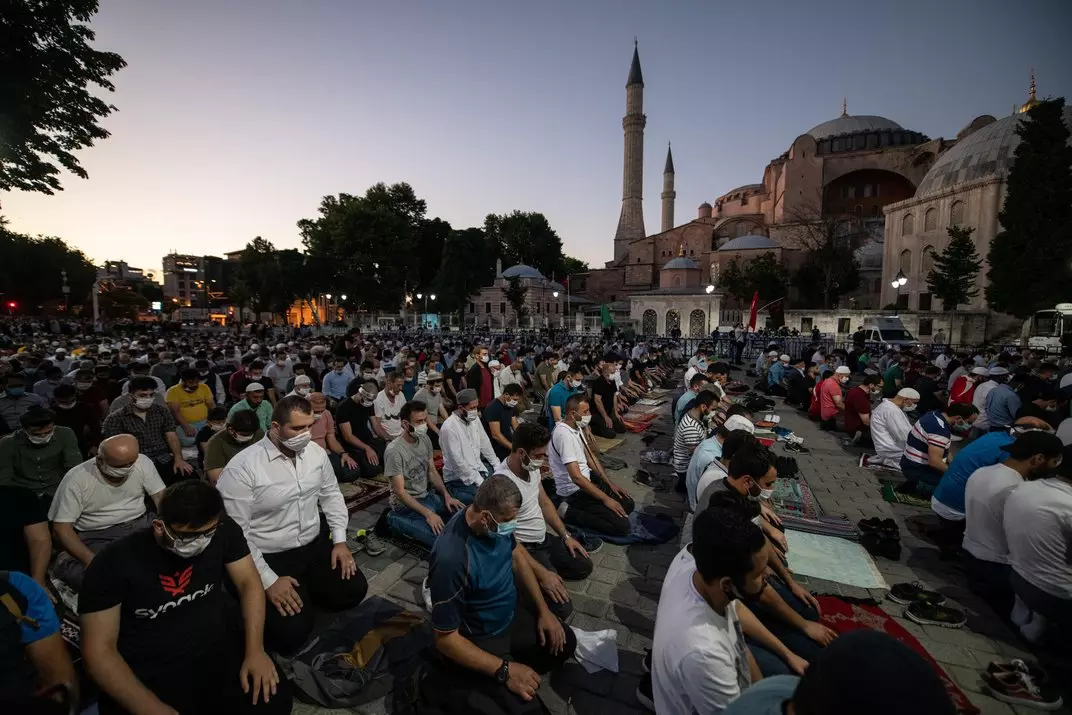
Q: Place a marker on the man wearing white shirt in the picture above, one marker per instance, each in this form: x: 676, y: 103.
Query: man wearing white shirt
x: 468, y: 456
x: 982, y: 422
x: 272, y: 490
x: 386, y: 421
x: 889, y: 430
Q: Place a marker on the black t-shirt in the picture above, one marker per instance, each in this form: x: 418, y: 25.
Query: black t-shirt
x: 928, y: 399
x: 19, y: 508
x: 605, y: 390
x: 1030, y: 409
x: 359, y: 418
x: 496, y: 411
x: 173, y: 611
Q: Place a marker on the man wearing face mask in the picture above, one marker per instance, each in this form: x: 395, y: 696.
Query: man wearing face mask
x: 889, y: 430
x: 571, y: 383
x: 254, y: 402
x: 556, y: 554
x: 416, y: 511
x: 500, y: 420
x: 303, y: 387
x: 468, y: 456
x: 15, y: 402
x: 927, y: 446
x: 696, y: 386
x: 272, y: 491
x: 591, y: 501
x: 346, y: 467
x: 355, y: 415
x: 494, y: 634
x: 165, y: 585
x: 479, y: 376
x: 278, y: 375
x: 690, y: 431
x: 432, y: 396
x: 154, y: 428
x: 387, y: 407
x: 190, y: 402
x: 37, y: 456
x: 832, y: 398
x: 242, y: 430
x: 963, y: 389
x: 99, y: 502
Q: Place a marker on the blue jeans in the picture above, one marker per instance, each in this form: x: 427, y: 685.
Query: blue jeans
x: 185, y: 441
x: 793, y: 639
x: 410, y: 524
x: 465, y: 493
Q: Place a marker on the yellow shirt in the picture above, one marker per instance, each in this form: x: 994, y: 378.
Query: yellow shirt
x: 192, y: 405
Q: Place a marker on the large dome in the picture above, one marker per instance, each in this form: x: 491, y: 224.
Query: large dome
x: 846, y: 124
x: 680, y: 262
x: 748, y: 243
x: 983, y: 154
x: 522, y: 271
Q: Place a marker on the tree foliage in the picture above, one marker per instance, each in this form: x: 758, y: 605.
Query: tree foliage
x: 515, y: 294
x: 1035, y: 244
x: 573, y: 265
x: 468, y: 265
x: 121, y: 302
x: 820, y: 281
x: 49, y: 77
x: 526, y: 237
x: 30, y: 272
x: 431, y: 238
x: 952, y: 280
x: 764, y: 274
x: 830, y: 269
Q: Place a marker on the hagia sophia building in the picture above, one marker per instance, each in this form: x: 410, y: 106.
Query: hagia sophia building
x: 892, y: 190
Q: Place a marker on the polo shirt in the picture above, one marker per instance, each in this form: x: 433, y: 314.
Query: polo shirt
x: 567, y: 446
x: 38, y: 467
x: 263, y: 412
x: 708, y: 451
x: 982, y: 452
x: 556, y: 397
x: 472, y: 581
x: 689, y: 433
x: 930, y: 431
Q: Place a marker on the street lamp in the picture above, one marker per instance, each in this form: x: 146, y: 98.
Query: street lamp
x: 899, y: 280
x: 709, y: 290
x: 343, y: 296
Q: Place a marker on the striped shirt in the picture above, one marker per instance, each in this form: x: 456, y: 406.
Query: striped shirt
x: 930, y: 431
x: 690, y: 432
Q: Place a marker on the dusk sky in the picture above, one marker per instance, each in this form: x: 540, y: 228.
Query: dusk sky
x: 236, y: 116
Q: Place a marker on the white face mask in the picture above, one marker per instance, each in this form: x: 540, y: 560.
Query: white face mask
x: 511, y: 403
x: 42, y: 438
x: 585, y: 420
x: 116, y: 474
x: 535, y: 465
x: 484, y: 358
x: 420, y: 429
x: 303, y: 391
x: 242, y: 438
x: 472, y: 415
x: 188, y: 548
x: 143, y: 403
x: 317, y: 416
x: 298, y: 442
x: 766, y: 494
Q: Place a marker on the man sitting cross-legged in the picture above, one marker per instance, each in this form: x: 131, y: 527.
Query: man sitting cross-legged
x: 556, y: 555
x: 160, y: 632
x: 494, y: 634
x: 416, y: 511
x: 99, y: 502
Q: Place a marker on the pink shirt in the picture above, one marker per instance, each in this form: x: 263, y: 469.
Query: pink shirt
x: 827, y: 390
x: 321, y: 428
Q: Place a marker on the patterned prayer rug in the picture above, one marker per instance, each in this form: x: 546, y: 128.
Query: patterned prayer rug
x: 890, y: 494
x: 362, y: 493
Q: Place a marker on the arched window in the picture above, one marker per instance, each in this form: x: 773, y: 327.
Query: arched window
x: 926, y: 262
x: 906, y: 262
x: 648, y: 322
x: 930, y: 220
x: 673, y: 321
x: 908, y: 225
x: 858, y: 209
x: 956, y: 213
x: 697, y: 324
x: 874, y: 210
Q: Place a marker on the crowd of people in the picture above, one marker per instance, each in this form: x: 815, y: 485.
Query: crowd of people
x: 185, y: 490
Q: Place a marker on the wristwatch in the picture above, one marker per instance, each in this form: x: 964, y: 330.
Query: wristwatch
x: 503, y: 673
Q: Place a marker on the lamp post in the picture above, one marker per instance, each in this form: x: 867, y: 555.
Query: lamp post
x: 555, y: 295
x: 898, y: 281
x: 66, y: 290
x: 709, y: 290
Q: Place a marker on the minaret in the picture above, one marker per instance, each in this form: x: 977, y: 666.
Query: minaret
x: 631, y: 221
x: 668, y: 194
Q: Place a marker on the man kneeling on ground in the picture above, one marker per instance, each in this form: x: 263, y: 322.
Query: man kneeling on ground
x: 493, y: 630
x: 557, y: 555
x: 159, y: 631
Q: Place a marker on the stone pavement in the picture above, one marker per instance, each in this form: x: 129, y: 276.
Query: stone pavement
x: 623, y: 591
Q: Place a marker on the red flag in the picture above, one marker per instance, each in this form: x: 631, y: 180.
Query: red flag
x: 752, y: 311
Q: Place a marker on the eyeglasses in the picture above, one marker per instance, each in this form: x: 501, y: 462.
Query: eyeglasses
x: 186, y: 538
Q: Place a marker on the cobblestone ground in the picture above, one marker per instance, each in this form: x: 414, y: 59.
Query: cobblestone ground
x: 623, y: 591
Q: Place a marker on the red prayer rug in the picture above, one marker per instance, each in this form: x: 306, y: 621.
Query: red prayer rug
x: 844, y: 616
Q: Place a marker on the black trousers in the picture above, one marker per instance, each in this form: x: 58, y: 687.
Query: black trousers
x: 602, y: 429
x: 589, y: 513
x: 460, y: 691
x: 368, y: 469
x: 318, y: 585
x: 209, y: 686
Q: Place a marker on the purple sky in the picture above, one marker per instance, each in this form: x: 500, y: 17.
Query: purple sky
x: 237, y: 116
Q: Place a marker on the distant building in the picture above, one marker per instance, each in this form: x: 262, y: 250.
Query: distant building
x: 545, y: 304
x: 119, y: 270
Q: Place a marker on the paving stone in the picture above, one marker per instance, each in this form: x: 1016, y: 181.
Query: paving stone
x: 951, y: 654
x: 417, y: 574
x: 968, y: 679
x: 592, y: 606
x: 964, y: 639
x: 605, y: 575
x: 601, y: 590
x: 578, y: 586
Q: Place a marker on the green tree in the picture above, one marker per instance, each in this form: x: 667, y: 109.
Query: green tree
x: 258, y: 274
x: 515, y: 294
x: 32, y: 288
x: 1035, y: 246
x: 431, y: 237
x: 821, y: 280
x: 526, y: 237
x: 571, y: 265
x: 49, y: 80
x: 763, y: 274
x: 119, y: 302
x: 732, y: 280
x: 468, y: 265
x: 830, y: 269
x: 955, y: 270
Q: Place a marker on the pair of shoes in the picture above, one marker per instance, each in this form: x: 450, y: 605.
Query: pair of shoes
x: 795, y: 447
x: 365, y: 541
x: 881, y: 537
x: 927, y: 613
x: 1018, y: 688
x: 908, y: 593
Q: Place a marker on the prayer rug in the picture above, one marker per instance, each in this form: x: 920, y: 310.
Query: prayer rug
x: 827, y: 525
x: 362, y: 493
x: 833, y: 559
x: 845, y: 615
x: 605, y: 445
x: 648, y: 402
x: 890, y: 494
x: 793, y: 497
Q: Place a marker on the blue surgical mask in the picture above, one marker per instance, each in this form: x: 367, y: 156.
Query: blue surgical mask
x: 504, y: 529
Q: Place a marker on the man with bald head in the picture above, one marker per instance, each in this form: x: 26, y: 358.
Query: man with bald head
x: 100, y: 501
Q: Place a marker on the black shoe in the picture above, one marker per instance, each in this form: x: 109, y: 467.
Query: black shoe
x: 908, y: 593
x: 930, y: 614
x: 644, y: 694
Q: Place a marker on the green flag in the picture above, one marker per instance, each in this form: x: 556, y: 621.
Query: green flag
x: 604, y: 314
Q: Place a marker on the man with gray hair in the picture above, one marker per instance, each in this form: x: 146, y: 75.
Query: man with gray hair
x: 494, y: 633
x: 468, y: 457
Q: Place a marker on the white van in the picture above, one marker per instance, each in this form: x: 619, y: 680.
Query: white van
x: 889, y: 333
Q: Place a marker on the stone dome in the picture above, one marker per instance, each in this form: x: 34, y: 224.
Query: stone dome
x: 848, y: 124
x: 522, y: 271
x: 681, y: 262
x: 746, y: 243
x: 985, y: 153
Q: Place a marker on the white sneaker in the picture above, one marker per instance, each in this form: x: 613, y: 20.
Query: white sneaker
x: 427, y: 594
